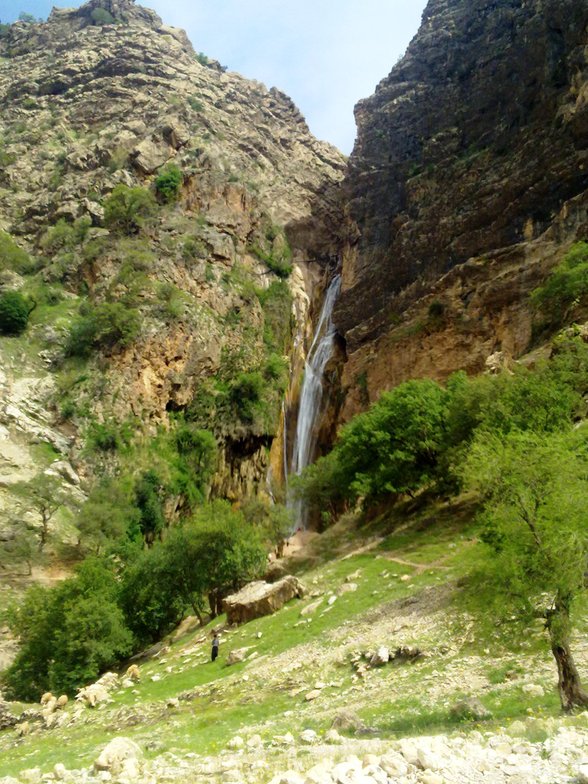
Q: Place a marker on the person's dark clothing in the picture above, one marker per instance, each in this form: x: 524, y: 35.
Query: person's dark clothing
x: 215, y: 644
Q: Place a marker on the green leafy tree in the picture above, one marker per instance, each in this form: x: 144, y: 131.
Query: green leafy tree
x: 565, y: 288
x: 107, y: 516
x: 274, y: 521
x: 43, y: 493
x: 13, y: 257
x: 149, y: 496
x: 15, y: 310
x: 197, y: 452
x: 534, y: 490
x: 395, y: 446
x: 127, y: 210
x: 168, y: 183
x: 150, y: 598
x: 229, y: 552
x: 68, y: 634
x: 322, y: 488
x: 107, y: 325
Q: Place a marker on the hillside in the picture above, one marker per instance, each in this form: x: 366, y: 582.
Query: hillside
x: 307, y: 669
x: 221, y: 278
x: 173, y: 242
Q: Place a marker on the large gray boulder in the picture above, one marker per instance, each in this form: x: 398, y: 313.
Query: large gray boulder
x: 260, y: 598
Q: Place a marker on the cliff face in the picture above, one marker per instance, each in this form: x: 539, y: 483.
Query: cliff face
x: 107, y: 95
x: 467, y: 181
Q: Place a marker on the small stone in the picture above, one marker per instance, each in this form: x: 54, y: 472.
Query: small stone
x: 255, y: 742
x: 332, y: 736
x: 312, y: 695
x: 582, y: 774
x: 428, y: 777
x: 308, y: 736
x: 236, y: 743
x: 59, y: 771
x: 534, y: 690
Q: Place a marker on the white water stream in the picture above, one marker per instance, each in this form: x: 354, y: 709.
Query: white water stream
x: 311, y: 393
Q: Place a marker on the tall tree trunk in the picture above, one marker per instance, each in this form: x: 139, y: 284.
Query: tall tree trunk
x: 571, y: 693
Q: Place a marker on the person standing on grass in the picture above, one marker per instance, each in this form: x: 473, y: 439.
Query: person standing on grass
x: 215, y: 644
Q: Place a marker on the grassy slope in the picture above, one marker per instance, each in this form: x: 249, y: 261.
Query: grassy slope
x: 406, y: 581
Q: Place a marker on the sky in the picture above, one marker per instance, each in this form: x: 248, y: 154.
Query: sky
x: 324, y: 54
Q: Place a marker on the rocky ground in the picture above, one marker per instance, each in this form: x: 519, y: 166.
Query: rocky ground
x: 374, y: 676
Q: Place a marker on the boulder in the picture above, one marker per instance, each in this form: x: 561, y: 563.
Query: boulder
x: 470, y: 708
x: 380, y: 657
x: 309, y: 737
x: 236, y: 656
x: 148, y: 156
x: 7, y: 718
x: 260, y: 598
x: 115, y: 757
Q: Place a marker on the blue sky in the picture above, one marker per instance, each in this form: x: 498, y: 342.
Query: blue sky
x: 325, y: 54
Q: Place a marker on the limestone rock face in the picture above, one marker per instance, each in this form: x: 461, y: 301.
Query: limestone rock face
x: 105, y: 95
x: 467, y: 182
x: 260, y: 598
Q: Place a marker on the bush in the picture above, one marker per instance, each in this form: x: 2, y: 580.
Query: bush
x: 102, y: 17
x: 247, y: 395
x: 566, y: 287
x: 66, y: 236
x: 168, y: 183
x: 106, y: 325
x: 12, y: 257
x: 14, y: 313
x: 68, y: 634
x: 127, y: 209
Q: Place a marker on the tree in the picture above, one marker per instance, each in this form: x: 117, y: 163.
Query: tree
x: 107, y: 515
x: 168, y: 183
x: 126, y: 210
x: 274, y: 521
x: 14, y: 313
x: 68, y: 634
x: 106, y: 325
x: 395, y: 446
x: 534, y: 490
x: 151, y: 601
x: 46, y: 495
x: 149, y: 500
x: 228, y: 552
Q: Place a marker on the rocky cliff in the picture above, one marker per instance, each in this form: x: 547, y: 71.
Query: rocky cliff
x: 466, y: 184
x: 106, y: 96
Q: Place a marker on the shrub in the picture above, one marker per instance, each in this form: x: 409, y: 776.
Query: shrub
x: 127, y: 209
x: 106, y: 325
x: 68, y: 634
x: 566, y: 287
x: 168, y: 183
x: 14, y: 313
x: 12, y: 257
x: 102, y: 17
x: 195, y: 103
x: 247, y: 395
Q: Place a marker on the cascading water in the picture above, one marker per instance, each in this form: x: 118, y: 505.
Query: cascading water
x: 311, y: 393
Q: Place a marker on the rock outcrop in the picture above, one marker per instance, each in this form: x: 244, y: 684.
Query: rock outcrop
x: 106, y: 95
x: 467, y: 182
x: 260, y: 598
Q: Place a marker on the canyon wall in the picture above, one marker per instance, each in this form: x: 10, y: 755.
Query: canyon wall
x: 467, y: 183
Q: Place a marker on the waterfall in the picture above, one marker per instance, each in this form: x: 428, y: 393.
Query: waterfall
x: 311, y: 393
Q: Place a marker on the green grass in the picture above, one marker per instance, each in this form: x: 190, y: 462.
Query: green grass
x: 252, y: 697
